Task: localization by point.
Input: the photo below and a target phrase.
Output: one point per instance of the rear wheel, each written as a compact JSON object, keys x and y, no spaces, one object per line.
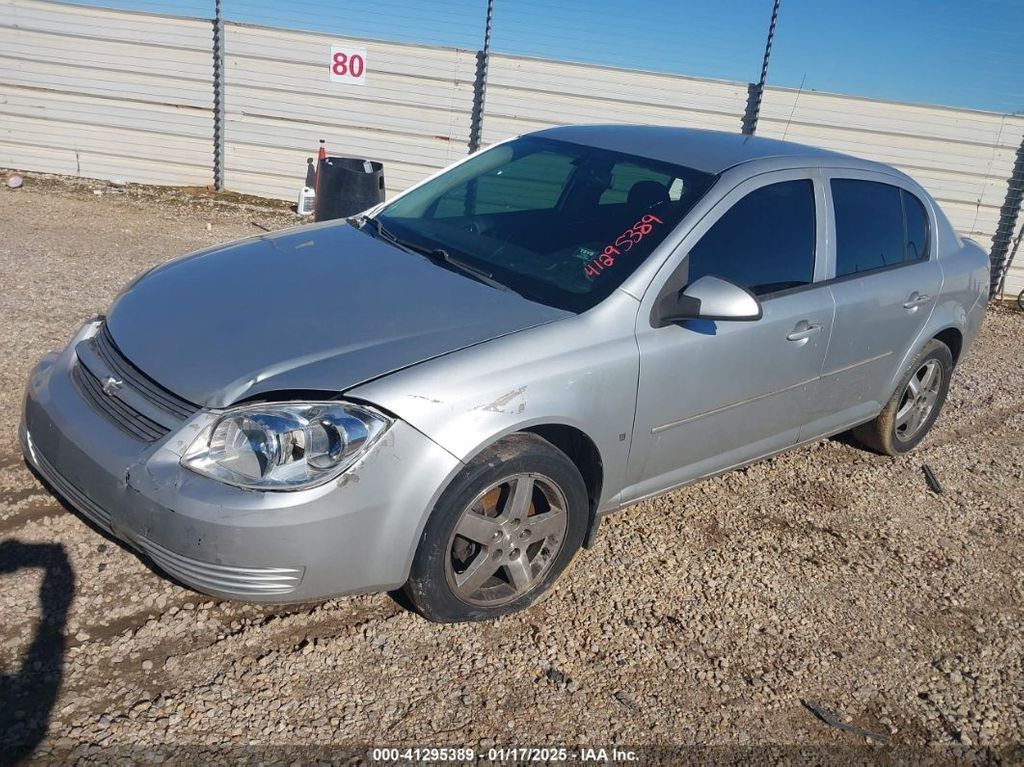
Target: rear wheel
{"x":501,"y":534}
{"x":909,"y":414}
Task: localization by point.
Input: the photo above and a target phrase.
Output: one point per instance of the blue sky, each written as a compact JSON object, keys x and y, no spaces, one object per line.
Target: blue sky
{"x":965,"y":53}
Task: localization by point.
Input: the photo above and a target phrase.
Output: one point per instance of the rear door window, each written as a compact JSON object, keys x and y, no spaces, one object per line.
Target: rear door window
{"x":917,"y":228}
{"x":877,"y":226}
{"x":765,"y":242}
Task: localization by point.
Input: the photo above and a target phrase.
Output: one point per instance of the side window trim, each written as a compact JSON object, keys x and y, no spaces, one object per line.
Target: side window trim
{"x":669,"y":272}
{"x":826,"y":175}
{"x":823,"y":227}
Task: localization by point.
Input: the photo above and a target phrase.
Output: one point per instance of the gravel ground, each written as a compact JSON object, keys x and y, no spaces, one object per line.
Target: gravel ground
{"x":701,"y":618}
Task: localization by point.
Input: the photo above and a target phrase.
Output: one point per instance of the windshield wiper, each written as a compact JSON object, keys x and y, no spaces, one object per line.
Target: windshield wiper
{"x":440,"y":255}
{"x":362,"y":219}
{"x":437,"y":255}
{"x":443,"y":257}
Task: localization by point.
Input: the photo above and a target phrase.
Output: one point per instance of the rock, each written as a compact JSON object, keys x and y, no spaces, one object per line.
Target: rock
{"x":626,"y":700}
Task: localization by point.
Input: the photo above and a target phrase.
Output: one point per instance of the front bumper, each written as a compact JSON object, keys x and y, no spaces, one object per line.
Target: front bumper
{"x":356,"y":533}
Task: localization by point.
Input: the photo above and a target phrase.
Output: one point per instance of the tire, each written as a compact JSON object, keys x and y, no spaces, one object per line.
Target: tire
{"x":901,"y":425}
{"x":492,"y":501}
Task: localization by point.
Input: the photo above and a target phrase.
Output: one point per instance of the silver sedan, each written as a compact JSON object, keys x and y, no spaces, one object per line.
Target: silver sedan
{"x":450,"y":392}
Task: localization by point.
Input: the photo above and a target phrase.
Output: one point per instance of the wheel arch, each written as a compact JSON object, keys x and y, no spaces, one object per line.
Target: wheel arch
{"x":584,"y":454}
{"x":948,"y":323}
{"x":953,"y":338}
{"x":577,"y":445}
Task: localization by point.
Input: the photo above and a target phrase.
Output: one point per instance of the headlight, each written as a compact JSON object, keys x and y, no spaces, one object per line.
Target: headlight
{"x":287,"y":446}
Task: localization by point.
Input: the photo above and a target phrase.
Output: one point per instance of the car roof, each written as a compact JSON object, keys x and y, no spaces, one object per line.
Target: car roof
{"x":704,"y":150}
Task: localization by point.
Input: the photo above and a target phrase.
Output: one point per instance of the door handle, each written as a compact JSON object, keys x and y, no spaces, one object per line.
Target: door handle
{"x":915,"y":300}
{"x":803,"y":331}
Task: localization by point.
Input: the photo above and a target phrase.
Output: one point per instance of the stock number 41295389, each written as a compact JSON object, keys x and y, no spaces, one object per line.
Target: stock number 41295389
{"x":623,"y":244}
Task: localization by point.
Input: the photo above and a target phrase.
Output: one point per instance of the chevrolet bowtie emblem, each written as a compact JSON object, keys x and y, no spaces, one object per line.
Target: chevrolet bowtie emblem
{"x":111,"y":386}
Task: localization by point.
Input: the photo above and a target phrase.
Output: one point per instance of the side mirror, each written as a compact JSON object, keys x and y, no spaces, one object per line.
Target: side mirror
{"x":710,"y":298}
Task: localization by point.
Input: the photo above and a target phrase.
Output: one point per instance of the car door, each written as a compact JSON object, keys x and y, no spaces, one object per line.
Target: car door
{"x":885,"y":278}
{"x":713,"y":395}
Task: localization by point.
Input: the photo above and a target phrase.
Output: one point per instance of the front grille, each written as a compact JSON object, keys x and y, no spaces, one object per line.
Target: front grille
{"x":130,"y":420}
{"x":139,"y":405}
{"x":224,"y":579}
{"x":107,"y":350}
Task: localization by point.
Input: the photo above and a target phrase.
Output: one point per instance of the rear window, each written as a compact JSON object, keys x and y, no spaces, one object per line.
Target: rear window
{"x":877,"y":226}
{"x":627,"y":178}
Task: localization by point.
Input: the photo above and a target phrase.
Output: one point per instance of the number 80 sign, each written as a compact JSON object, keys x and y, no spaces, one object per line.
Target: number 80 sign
{"x":348,"y":65}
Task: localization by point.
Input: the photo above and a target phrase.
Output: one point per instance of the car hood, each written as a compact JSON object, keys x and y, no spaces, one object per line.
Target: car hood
{"x":318,"y":308}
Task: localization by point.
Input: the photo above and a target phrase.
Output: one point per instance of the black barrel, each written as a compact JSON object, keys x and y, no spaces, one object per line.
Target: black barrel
{"x":346,"y":185}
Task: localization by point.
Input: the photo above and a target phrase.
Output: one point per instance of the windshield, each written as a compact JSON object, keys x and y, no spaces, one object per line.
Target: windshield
{"x":559,"y":223}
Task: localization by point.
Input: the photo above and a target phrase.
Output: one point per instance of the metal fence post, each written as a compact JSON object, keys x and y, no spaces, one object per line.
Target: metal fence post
{"x":218,"y":96}
{"x":1000,"y":256}
{"x":756,"y":93}
{"x":476,"y":125}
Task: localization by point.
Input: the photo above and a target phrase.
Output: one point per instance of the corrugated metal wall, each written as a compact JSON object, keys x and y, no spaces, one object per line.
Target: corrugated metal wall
{"x":525,"y":94}
{"x":413,"y":113}
{"x":105,"y":94}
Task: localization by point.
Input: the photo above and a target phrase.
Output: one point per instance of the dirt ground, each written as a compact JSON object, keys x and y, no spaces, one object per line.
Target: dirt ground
{"x":705,"y":618}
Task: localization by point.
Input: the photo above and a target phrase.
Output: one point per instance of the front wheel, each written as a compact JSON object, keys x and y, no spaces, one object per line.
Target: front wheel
{"x":910,"y":413}
{"x":501,"y":534}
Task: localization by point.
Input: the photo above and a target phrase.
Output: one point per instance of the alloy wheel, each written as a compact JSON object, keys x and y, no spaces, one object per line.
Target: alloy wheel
{"x":506,"y":540}
{"x":918,"y":400}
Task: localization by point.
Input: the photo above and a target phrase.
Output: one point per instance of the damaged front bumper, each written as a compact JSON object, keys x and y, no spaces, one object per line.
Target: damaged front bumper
{"x":356,"y":533}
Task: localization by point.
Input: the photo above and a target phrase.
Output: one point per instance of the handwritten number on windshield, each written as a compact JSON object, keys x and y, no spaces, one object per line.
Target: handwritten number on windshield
{"x":624,"y":242}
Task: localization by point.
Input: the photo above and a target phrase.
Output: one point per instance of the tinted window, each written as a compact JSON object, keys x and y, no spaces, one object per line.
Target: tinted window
{"x":869,"y":225}
{"x":628,"y":177}
{"x":560,"y":223}
{"x":531,"y":182}
{"x":765,"y":242}
{"x":917,"y":228}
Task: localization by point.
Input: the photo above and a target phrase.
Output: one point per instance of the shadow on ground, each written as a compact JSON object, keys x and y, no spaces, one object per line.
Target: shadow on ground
{"x":27,"y":694}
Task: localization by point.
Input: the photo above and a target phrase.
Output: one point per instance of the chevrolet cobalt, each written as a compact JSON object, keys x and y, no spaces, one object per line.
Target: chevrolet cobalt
{"x":451,"y":391}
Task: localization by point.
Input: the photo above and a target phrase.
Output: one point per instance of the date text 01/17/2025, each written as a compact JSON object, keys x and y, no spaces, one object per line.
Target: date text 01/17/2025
{"x":503,"y":754}
{"x":624,"y":242}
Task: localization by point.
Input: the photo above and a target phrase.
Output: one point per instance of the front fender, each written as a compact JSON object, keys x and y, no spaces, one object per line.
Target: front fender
{"x":581,"y":372}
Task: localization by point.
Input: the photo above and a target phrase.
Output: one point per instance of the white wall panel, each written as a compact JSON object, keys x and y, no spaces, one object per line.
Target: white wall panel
{"x":102,"y":93}
{"x":413,"y":114}
{"x":525,"y":94}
